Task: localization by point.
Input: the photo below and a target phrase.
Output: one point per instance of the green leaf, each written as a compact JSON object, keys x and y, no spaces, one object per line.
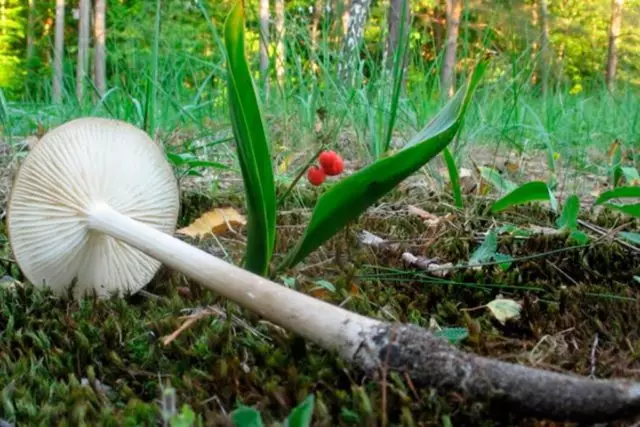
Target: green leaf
{"x":630,"y":209}
{"x":579,"y":237}
{"x":252,"y":146}
{"x":504,"y":260}
{"x":496,"y":180}
{"x":186,"y":417}
{"x":349,"y":198}
{"x":619,"y":193}
{"x":454,"y":177}
{"x":453,"y":335}
{"x":487,"y":250}
{"x":301,"y":414}
{"x":630,"y":174}
{"x":529,"y":192}
{"x":246,"y":417}
{"x":569,"y":217}
{"x":630,"y":237}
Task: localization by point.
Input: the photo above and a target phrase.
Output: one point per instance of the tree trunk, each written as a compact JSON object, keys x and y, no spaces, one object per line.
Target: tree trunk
{"x":264,"y":38}
{"x":83,"y":48}
{"x":315,"y":30}
{"x":99,"y":56}
{"x":614,"y":33}
{"x":454,"y":10}
{"x":545,"y":46}
{"x":58,"y":52}
{"x":30,"y":26}
{"x":280,"y":34}
{"x":399,"y":12}
{"x":357,"y":19}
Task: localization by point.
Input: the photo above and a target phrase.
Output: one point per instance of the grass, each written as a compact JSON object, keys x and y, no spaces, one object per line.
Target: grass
{"x":103,"y":362}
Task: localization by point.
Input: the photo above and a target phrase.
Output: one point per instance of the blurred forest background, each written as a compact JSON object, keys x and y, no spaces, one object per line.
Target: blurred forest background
{"x":81,"y":52}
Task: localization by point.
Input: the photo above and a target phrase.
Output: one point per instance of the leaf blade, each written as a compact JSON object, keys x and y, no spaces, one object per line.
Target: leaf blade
{"x":349,"y":198}
{"x":252,"y":147}
{"x":530,"y":192}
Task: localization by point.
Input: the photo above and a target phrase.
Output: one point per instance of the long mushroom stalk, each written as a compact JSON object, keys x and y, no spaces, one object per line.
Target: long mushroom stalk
{"x":93,"y":225}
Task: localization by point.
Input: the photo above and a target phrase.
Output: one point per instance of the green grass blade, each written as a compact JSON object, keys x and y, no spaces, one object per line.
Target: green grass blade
{"x":349,"y":198}
{"x":398,"y":76}
{"x":302,"y":414}
{"x":454,"y":177}
{"x":530,"y":192}
{"x":253,"y":149}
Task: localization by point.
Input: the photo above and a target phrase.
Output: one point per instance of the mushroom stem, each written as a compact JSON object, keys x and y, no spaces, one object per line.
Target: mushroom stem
{"x":327,"y":325}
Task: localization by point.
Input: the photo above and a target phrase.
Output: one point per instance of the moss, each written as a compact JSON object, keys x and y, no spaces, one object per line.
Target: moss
{"x":104,"y":362}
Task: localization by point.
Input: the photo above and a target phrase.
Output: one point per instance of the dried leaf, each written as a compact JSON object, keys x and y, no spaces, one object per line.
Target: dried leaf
{"x":504,"y":309}
{"x":216,"y":221}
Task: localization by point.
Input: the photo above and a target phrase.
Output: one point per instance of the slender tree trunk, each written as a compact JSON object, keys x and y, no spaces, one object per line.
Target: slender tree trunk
{"x":315,"y":30}
{"x":614,"y":33}
{"x":30,"y":26}
{"x":346,"y":17}
{"x":280,"y":48}
{"x":357,"y":20}
{"x":83,"y":48}
{"x":264,"y":38}
{"x":545,"y":46}
{"x":454,"y":10}
{"x":398,"y":12}
{"x":100,"y":52}
{"x":58,"y":52}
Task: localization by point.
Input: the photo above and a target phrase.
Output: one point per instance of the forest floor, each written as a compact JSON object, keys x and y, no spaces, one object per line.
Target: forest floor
{"x":107,"y":362}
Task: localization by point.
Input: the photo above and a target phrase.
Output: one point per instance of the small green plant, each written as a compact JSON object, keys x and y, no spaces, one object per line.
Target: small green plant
{"x":347,"y":199}
{"x":300,"y":416}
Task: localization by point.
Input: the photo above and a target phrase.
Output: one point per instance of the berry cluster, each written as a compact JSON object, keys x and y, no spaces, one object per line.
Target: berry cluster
{"x":331,"y":164}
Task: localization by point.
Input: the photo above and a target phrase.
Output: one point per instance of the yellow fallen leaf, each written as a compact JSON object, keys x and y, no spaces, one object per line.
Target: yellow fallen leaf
{"x":504,"y":309}
{"x":216,"y":221}
{"x":285,"y":163}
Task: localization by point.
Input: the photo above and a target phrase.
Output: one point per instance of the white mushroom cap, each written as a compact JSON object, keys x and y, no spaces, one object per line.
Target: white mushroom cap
{"x":73,"y":167}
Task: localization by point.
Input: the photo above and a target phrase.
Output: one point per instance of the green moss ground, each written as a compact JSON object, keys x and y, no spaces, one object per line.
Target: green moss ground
{"x":104,"y":363}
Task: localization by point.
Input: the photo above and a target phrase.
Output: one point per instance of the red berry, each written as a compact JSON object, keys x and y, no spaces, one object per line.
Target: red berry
{"x":326,"y":159}
{"x":331,"y":162}
{"x":338,"y":167}
{"x":315,"y":175}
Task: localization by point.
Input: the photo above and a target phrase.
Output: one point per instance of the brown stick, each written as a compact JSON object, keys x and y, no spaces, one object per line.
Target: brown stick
{"x":430,"y":361}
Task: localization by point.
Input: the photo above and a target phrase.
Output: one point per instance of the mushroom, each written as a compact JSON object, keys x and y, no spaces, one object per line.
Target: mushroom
{"x":95,"y":204}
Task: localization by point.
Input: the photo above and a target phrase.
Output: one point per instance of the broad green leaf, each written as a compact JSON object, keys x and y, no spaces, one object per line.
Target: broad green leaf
{"x":486,"y":251}
{"x":630,"y":175}
{"x":301,"y":414}
{"x":630,"y":209}
{"x":569,"y":217}
{"x":246,"y":417}
{"x":504,"y":261}
{"x":619,"y":193}
{"x":504,"y":309}
{"x":453,"y":177}
{"x":630,"y":237}
{"x":252,"y":146}
{"x":496,"y":180}
{"x":349,"y":198}
{"x":530,"y":192}
{"x":453,"y":335}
